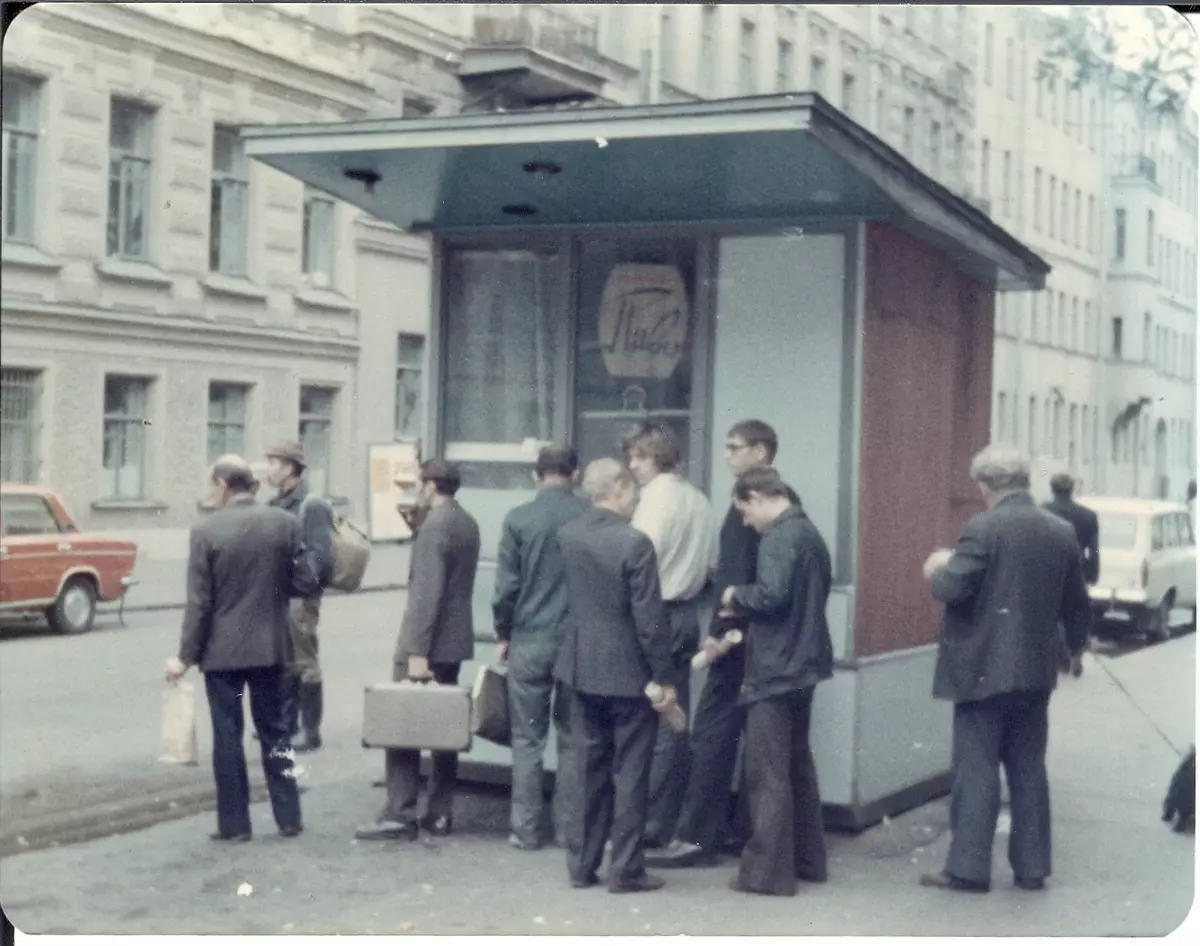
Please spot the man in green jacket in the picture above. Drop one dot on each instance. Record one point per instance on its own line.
(530, 610)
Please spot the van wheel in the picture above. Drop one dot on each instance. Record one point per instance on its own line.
(1159, 628)
(75, 610)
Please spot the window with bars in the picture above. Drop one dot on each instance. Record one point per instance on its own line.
(316, 433)
(229, 210)
(21, 123)
(227, 419)
(125, 405)
(318, 242)
(20, 398)
(410, 362)
(129, 168)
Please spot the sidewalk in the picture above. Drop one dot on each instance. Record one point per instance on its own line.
(1118, 869)
(161, 582)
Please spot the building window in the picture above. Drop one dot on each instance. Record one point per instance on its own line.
(1116, 336)
(708, 48)
(817, 74)
(1052, 209)
(20, 395)
(1034, 321)
(410, 362)
(1119, 235)
(229, 207)
(1031, 426)
(935, 149)
(785, 64)
(1037, 199)
(318, 241)
(1062, 320)
(1091, 224)
(1077, 230)
(125, 403)
(21, 119)
(1049, 334)
(989, 53)
(985, 169)
(1040, 90)
(1093, 126)
(1073, 437)
(1064, 229)
(129, 166)
(1089, 337)
(1075, 323)
(1010, 68)
(316, 429)
(1052, 93)
(747, 58)
(1002, 417)
(666, 40)
(1149, 237)
(1007, 181)
(909, 131)
(1086, 432)
(226, 419)
(848, 85)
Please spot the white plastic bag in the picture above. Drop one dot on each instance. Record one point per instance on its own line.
(179, 724)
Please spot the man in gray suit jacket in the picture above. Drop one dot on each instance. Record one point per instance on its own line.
(1015, 574)
(246, 562)
(618, 640)
(436, 636)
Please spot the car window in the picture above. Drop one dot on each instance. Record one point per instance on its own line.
(1186, 538)
(1171, 531)
(27, 515)
(1118, 532)
(1156, 534)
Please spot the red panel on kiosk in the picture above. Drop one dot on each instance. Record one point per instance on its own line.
(926, 403)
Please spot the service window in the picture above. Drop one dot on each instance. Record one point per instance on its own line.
(27, 515)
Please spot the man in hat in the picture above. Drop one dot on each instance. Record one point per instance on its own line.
(305, 703)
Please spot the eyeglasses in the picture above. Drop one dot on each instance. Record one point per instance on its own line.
(736, 447)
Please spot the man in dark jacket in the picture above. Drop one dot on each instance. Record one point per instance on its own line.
(436, 636)
(246, 561)
(618, 640)
(1087, 531)
(306, 703)
(530, 610)
(789, 653)
(717, 729)
(1014, 576)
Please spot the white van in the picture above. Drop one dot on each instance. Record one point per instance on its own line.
(1147, 566)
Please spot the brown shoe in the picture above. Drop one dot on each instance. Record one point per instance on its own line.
(644, 884)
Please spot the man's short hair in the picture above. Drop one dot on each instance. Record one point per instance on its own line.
(556, 459)
(1062, 484)
(757, 433)
(765, 481)
(603, 477)
(1001, 468)
(656, 441)
(444, 476)
(235, 473)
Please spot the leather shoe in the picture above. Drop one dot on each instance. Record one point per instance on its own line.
(388, 831)
(583, 883)
(515, 841)
(680, 854)
(235, 838)
(944, 880)
(291, 830)
(1030, 883)
(439, 827)
(812, 877)
(644, 884)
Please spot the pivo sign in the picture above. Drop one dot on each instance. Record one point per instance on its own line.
(643, 321)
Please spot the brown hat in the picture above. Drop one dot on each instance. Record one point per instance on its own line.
(288, 450)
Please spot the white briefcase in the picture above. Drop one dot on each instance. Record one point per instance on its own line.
(411, 715)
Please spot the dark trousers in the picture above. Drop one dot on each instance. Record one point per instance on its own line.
(716, 731)
(403, 768)
(788, 839)
(534, 699)
(615, 745)
(669, 770)
(1009, 730)
(224, 689)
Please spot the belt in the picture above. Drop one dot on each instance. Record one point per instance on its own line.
(682, 602)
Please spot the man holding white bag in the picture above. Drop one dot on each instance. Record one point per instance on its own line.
(246, 562)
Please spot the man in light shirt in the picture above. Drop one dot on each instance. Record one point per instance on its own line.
(676, 518)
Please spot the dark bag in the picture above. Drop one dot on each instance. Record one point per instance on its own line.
(489, 706)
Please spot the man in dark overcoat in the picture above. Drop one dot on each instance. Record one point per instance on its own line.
(1014, 576)
(245, 563)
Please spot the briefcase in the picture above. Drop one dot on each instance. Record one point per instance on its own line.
(411, 715)
(489, 706)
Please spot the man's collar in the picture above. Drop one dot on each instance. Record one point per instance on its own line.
(241, 499)
(1020, 497)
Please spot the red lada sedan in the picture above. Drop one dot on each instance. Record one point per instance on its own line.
(47, 565)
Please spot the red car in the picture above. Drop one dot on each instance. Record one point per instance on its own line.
(47, 565)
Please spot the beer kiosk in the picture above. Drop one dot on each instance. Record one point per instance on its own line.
(701, 264)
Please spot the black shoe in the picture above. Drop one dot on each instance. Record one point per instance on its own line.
(1030, 883)
(733, 846)
(681, 854)
(232, 838)
(379, 782)
(945, 880)
(583, 883)
(439, 827)
(644, 884)
(291, 831)
(388, 831)
(812, 876)
(310, 743)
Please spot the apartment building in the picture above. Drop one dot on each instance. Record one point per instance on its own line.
(164, 300)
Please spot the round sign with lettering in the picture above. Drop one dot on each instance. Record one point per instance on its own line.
(643, 321)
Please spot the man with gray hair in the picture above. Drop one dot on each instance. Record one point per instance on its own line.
(618, 640)
(1014, 576)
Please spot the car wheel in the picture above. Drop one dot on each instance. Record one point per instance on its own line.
(75, 609)
(1160, 622)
